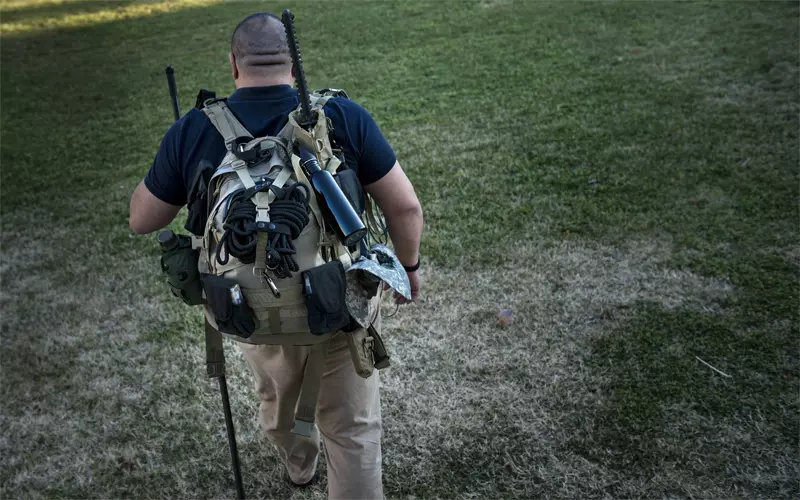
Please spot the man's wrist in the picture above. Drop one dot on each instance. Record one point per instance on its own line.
(411, 269)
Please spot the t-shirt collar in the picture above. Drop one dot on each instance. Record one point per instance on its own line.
(262, 93)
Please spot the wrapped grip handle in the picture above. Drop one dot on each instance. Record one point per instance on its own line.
(306, 119)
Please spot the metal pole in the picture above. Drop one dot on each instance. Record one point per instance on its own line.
(215, 355)
(173, 92)
(226, 406)
(215, 368)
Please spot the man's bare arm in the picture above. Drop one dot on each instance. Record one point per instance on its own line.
(148, 213)
(396, 198)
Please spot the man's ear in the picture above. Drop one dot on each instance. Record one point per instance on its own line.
(234, 69)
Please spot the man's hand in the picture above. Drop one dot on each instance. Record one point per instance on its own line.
(416, 285)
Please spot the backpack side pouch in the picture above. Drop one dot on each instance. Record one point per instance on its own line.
(198, 199)
(324, 291)
(351, 187)
(227, 303)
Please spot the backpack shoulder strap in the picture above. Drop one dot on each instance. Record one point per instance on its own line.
(318, 99)
(321, 97)
(224, 121)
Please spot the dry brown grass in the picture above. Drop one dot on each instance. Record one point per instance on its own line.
(114, 383)
(475, 401)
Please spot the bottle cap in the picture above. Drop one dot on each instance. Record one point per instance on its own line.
(167, 239)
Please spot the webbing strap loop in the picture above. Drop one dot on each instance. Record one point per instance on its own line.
(240, 167)
(312, 379)
(333, 164)
(215, 354)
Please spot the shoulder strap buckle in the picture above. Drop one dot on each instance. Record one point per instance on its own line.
(203, 96)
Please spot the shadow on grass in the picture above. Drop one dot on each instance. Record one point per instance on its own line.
(668, 416)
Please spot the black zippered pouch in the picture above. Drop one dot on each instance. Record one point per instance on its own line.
(324, 291)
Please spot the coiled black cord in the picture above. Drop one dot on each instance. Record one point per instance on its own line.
(239, 237)
(289, 214)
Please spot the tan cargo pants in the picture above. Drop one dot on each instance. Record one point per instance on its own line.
(348, 417)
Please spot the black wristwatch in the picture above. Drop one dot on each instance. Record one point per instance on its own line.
(411, 269)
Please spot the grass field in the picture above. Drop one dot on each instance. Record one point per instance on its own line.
(623, 176)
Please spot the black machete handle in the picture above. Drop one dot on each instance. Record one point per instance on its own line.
(306, 119)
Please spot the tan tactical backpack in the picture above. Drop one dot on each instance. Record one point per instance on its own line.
(278, 303)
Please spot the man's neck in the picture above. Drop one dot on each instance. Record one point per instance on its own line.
(262, 82)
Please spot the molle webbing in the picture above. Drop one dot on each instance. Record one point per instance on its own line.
(286, 314)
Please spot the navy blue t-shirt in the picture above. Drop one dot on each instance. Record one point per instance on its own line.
(263, 111)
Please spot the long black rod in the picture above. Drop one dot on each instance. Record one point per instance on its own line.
(306, 119)
(173, 92)
(226, 406)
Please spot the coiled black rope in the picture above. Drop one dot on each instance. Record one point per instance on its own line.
(288, 214)
(239, 237)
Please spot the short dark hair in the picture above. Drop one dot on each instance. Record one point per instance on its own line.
(259, 44)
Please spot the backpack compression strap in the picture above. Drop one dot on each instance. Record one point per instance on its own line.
(230, 128)
(312, 377)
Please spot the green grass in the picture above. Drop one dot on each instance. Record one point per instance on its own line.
(622, 175)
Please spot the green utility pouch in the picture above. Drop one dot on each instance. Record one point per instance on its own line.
(179, 265)
(360, 345)
(226, 302)
(324, 291)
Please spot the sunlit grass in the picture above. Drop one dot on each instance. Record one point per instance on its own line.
(22, 4)
(134, 10)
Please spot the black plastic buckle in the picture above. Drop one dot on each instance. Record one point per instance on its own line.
(237, 148)
(203, 96)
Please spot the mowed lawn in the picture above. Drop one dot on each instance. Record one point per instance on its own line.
(621, 176)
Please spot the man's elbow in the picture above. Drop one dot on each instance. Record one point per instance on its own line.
(139, 226)
(148, 213)
(415, 209)
(409, 210)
